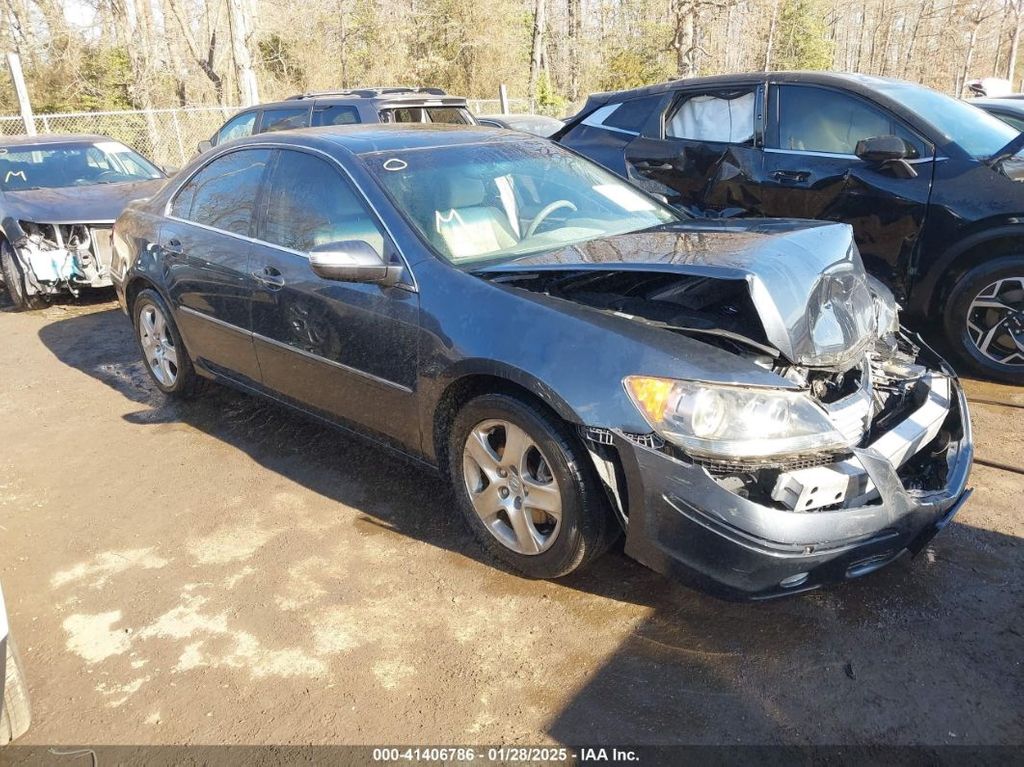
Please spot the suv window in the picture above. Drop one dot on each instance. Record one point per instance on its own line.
(284, 119)
(238, 126)
(336, 114)
(452, 115)
(223, 194)
(726, 118)
(309, 204)
(814, 119)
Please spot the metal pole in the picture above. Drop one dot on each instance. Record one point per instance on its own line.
(14, 63)
(177, 135)
(503, 98)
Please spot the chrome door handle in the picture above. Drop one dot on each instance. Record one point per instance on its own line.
(270, 277)
(173, 248)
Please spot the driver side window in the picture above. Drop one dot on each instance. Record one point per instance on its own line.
(239, 126)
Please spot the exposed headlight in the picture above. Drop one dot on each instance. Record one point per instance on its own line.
(887, 311)
(716, 421)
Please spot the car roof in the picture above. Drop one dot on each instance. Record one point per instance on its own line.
(849, 80)
(1011, 105)
(382, 137)
(53, 138)
(383, 96)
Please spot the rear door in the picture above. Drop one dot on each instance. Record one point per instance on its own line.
(704, 154)
(348, 350)
(811, 171)
(205, 242)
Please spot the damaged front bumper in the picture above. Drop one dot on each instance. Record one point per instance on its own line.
(685, 522)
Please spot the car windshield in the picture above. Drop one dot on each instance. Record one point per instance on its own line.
(977, 132)
(49, 166)
(487, 201)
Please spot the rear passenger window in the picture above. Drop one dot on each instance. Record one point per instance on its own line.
(223, 194)
(309, 204)
(284, 119)
(336, 114)
(722, 118)
(814, 119)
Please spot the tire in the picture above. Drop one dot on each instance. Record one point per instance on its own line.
(16, 714)
(548, 545)
(14, 280)
(987, 339)
(163, 351)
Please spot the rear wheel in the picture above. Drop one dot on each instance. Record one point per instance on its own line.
(526, 489)
(15, 716)
(164, 352)
(985, 319)
(14, 279)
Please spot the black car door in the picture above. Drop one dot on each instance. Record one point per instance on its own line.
(811, 171)
(703, 155)
(205, 246)
(344, 349)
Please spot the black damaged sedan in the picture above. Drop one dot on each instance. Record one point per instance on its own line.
(578, 359)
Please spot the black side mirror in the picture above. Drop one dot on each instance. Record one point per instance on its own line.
(352, 261)
(889, 152)
(204, 146)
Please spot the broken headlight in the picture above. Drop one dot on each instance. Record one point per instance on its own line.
(735, 422)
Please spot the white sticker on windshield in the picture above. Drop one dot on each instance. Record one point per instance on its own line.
(624, 197)
(112, 147)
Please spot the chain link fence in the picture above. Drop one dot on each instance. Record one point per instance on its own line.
(169, 136)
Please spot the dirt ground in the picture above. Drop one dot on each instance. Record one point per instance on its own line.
(226, 572)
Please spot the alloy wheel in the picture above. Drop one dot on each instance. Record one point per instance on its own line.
(511, 486)
(158, 345)
(995, 321)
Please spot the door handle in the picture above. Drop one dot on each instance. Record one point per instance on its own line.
(173, 248)
(269, 277)
(651, 165)
(791, 176)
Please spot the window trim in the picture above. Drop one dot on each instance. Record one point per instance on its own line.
(413, 285)
(773, 123)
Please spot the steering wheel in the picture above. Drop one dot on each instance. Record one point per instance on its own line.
(545, 212)
(111, 174)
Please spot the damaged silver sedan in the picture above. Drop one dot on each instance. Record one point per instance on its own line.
(59, 196)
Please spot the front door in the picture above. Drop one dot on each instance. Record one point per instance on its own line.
(811, 171)
(347, 350)
(206, 246)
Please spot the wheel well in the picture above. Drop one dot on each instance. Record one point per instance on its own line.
(133, 288)
(987, 250)
(462, 391)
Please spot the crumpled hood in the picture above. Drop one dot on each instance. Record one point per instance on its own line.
(94, 203)
(805, 278)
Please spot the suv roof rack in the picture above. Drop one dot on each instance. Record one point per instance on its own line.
(368, 93)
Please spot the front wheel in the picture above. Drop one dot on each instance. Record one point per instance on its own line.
(526, 489)
(985, 320)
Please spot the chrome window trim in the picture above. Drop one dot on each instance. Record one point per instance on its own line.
(839, 156)
(332, 363)
(221, 323)
(415, 288)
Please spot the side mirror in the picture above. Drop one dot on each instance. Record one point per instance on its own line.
(880, 149)
(352, 261)
(169, 170)
(889, 152)
(204, 146)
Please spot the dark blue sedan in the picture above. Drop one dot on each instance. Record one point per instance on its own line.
(578, 359)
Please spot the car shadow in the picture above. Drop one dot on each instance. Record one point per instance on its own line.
(923, 652)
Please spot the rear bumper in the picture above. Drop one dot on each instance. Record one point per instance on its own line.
(683, 523)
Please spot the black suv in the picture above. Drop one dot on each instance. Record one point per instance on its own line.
(345, 107)
(931, 185)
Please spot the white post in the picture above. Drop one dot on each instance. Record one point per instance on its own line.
(14, 63)
(177, 135)
(503, 98)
